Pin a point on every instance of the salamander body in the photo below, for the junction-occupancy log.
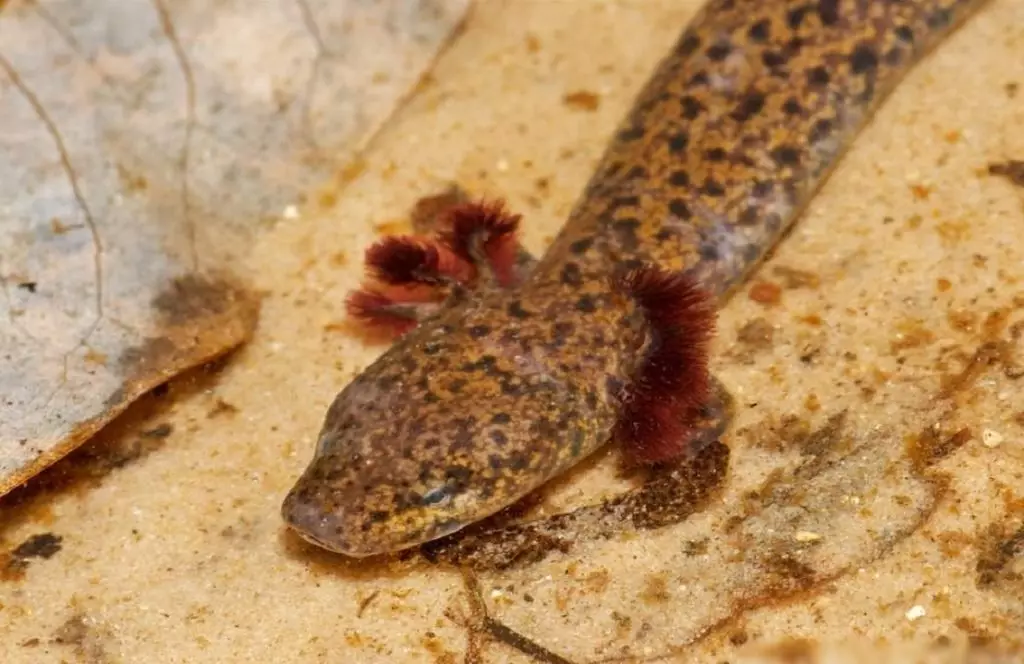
(511, 384)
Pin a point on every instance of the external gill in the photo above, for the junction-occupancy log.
(410, 278)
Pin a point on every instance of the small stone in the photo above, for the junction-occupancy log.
(990, 438)
(915, 612)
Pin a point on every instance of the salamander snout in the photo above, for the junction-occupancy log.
(359, 507)
(313, 524)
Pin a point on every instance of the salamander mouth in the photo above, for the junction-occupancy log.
(313, 539)
(312, 525)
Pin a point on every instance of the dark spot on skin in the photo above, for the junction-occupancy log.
(792, 107)
(863, 59)
(688, 44)
(418, 427)
(586, 304)
(631, 263)
(713, 188)
(626, 229)
(679, 209)
(828, 12)
(626, 201)
(939, 19)
(796, 17)
(719, 52)
(495, 462)
(562, 332)
(818, 76)
(479, 331)
(613, 386)
(762, 188)
(751, 253)
(456, 384)
(407, 500)
(580, 247)
(894, 56)
(774, 59)
(376, 516)
(518, 461)
(515, 310)
(571, 275)
(709, 252)
(498, 437)
(633, 133)
(786, 155)
(458, 477)
(821, 130)
(463, 438)
(432, 347)
(715, 154)
(636, 173)
(614, 168)
(679, 179)
(644, 107)
(751, 105)
(678, 142)
(905, 34)
(760, 31)
(664, 235)
(748, 217)
(699, 79)
(487, 364)
(545, 428)
(691, 107)
(501, 418)
(591, 398)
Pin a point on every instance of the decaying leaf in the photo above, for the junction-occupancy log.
(144, 144)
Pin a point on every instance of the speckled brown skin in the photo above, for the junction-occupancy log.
(498, 393)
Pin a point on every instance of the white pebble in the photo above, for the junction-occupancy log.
(990, 438)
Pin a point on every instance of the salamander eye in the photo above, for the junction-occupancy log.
(439, 496)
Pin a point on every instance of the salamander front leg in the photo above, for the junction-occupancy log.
(670, 494)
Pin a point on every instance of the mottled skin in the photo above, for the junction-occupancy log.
(500, 392)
